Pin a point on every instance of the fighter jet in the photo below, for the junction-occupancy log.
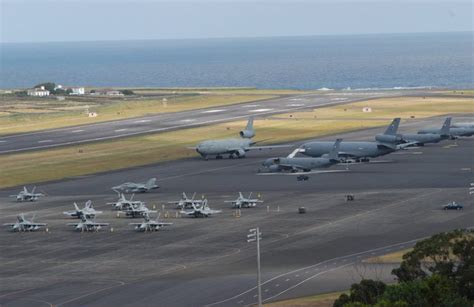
(137, 210)
(185, 202)
(150, 225)
(88, 211)
(455, 130)
(87, 224)
(234, 147)
(122, 203)
(422, 138)
(360, 151)
(303, 164)
(244, 202)
(132, 187)
(24, 225)
(200, 210)
(24, 195)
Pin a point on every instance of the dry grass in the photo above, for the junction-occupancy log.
(395, 257)
(85, 159)
(321, 300)
(33, 115)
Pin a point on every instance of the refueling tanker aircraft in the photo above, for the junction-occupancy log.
(360, 151)
(456, 130)
(294, 164)
(422, 138)
(234, 147)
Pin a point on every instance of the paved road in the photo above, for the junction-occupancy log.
(198, 262)
(172, 121)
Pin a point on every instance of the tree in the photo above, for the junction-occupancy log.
(127, 92)
(47, 86)
(366, 292)
(449, 254)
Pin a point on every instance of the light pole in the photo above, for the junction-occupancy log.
(255, 236)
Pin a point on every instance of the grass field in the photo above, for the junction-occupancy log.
(395, 257)
(25, 115)
(142, 150)
(320, 300)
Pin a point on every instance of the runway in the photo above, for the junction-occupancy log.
(198, 262)
(179, 120)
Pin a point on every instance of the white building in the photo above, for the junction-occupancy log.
(38, 92)
(77, 91)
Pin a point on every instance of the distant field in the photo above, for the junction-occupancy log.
(142, 150)
(25, 115)
(320, 300)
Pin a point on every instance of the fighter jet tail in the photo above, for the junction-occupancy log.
(446, 127)
(151, 183)
(249, 132)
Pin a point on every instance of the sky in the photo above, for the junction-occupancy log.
(93, 20)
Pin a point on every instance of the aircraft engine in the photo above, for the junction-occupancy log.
(274, 168)
(240, 153)
(247, 134)
(384, 138)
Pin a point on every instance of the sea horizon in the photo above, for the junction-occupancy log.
(356, 61)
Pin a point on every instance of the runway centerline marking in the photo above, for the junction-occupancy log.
(45, 141)
(77, 131)
(120, 130)
(260, 110)
(214, 111)
(142, 121)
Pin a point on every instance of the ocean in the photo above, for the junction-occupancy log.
(442, 60)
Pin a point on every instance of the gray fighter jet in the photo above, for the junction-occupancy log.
(200, 210)
(87, 224)
(455, 130)
(360, 151)
(132, 187)
(244, 202)
(150, 225)
(423, 138)
(137, 210)
(23, 224)
(24, 195)
(303, 164)
(88, 211)
(185, 202)
(122, 203)
(234, 147)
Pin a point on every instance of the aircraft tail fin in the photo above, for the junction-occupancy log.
(249, 132)
(446, 127)
(76, 207)
(150, 183)
(334, 153)
(240, 195)
(88, 204)
(393, 127)
(25, 190)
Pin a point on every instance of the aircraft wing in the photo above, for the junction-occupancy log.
(9, 224)
(70, 213)
(187, 212)
(98, 224)
(305, 173)
(387, 145)
(267, 147)
(37, 224)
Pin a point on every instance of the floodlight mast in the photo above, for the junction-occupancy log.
(255, 236)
